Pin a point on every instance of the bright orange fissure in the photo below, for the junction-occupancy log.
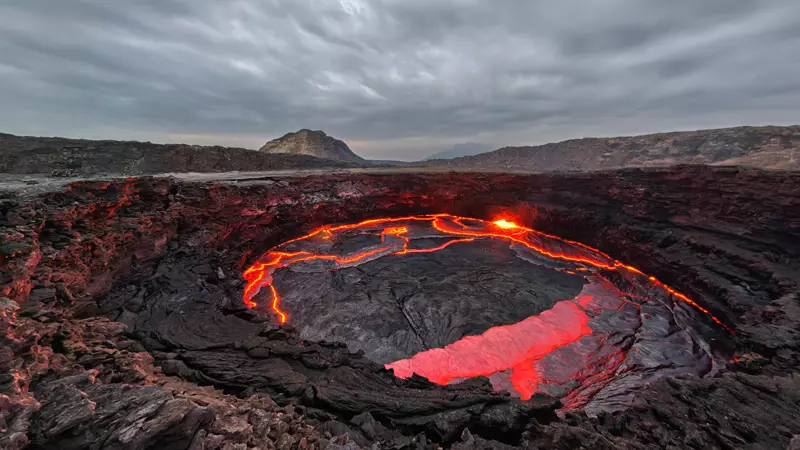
(256, 275)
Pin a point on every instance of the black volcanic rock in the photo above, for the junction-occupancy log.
(312, 143)
(141, 316)
(428, 288)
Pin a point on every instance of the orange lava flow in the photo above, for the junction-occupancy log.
(522, 344)
(395, 229)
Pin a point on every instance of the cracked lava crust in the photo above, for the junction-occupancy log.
(629, 309)
(451, 298)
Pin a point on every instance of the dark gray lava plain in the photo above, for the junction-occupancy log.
(397, 306)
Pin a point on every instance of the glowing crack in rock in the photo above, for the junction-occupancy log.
(255, 274)
(574, 347)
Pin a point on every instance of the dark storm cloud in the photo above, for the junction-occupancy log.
(395, 74)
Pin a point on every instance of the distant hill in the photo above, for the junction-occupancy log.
(765, 147)
(465, 149)
(391, 163)
(79, 157)
(312, 143)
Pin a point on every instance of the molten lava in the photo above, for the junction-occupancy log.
(523, 342)
(505, 224)
(445, 223)
(512, 354)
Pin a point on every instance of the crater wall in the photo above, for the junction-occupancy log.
(164, 258)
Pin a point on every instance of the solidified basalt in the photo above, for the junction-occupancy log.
(163, 259)
(395, 307)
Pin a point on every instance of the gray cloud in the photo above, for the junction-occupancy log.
(398, 78)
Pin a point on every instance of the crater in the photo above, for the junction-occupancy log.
(405, 310)
(451, 298)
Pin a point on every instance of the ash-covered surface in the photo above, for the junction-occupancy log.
(163, 259)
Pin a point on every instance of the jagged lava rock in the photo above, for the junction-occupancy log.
(121, 279)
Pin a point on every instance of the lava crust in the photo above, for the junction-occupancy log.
(498, 315)
(125, 322)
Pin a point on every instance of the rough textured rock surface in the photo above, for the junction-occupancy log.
(531, 312)
(764, 147)
(81, 158)
(428, 289)
(312, 143)
(103, 285)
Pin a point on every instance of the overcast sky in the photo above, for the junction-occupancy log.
(396, 79)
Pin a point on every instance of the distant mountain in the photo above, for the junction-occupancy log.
(80, 157)
(391, 163)
(312, 143)
(465, 149)
(765, 147)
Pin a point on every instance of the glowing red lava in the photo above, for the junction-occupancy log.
(523, 344)
(504, 229)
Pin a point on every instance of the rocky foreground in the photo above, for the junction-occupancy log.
(123, 325)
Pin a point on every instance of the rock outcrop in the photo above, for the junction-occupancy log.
(312, 143)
